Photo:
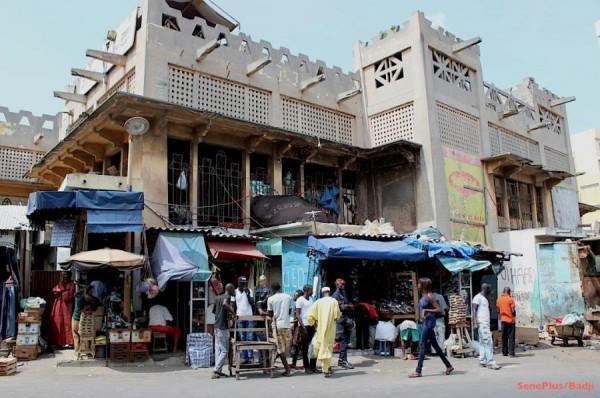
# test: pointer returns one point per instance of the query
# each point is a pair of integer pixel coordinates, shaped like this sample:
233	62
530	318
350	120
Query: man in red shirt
506	309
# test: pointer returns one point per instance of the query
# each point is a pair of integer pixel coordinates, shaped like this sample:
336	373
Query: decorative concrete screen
505	141
451	71
556	160
458	130
198	91
393	125
554	121
317	121
14	162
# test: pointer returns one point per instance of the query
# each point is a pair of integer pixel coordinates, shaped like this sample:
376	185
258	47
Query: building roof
211	232
13	217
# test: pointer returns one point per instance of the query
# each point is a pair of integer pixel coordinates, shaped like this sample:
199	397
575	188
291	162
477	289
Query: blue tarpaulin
359	249
99	200
180	256
452	249
455	265
110	221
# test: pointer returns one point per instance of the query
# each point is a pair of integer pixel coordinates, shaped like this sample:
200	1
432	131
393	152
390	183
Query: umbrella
102	258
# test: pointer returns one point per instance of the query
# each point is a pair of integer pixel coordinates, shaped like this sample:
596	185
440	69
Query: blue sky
553	41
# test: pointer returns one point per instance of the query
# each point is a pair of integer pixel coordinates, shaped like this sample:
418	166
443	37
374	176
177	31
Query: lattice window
556	160
554	121
291	114
181	87
458	130
505	141
451	71
14	162
317	121
393	125
259	106
221	96
389	70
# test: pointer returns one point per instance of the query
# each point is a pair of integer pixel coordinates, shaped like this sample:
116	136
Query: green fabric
455	265
410	334
270	247
79	302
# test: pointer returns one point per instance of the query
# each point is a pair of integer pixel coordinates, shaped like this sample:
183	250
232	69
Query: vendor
161	321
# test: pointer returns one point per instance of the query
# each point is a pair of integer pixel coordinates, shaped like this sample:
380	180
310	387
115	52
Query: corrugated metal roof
14	217
211	232
360	236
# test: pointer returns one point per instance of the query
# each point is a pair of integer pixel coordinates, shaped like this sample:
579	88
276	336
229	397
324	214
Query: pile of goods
458	310
29	328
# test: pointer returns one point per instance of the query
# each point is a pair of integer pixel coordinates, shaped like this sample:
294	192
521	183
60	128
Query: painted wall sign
464	180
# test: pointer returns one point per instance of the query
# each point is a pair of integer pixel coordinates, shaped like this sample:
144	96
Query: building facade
414	134
586	147
24	139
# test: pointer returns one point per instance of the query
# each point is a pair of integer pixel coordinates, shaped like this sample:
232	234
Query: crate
26	353
139	347
35	313
28	339
141	336
28	328
86	324
119	352
8	366
119	336
25	317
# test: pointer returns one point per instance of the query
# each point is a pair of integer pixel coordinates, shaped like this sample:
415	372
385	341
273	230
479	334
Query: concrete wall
25	130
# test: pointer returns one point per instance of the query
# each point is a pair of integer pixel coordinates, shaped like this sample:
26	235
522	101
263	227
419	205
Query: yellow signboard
464	180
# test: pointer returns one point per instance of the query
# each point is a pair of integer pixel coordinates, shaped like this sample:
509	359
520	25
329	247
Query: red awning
234	251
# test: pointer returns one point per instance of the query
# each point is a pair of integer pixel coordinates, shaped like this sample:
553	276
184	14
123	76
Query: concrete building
586	147
414	134
24	139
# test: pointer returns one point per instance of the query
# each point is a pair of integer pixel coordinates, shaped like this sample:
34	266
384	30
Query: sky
553	41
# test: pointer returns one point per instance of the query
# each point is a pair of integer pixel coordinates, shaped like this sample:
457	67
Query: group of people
430	309
317	323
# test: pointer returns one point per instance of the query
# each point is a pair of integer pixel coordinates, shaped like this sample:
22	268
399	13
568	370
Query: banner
295	265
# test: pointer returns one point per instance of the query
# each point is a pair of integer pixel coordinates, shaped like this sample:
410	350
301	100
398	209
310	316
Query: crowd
311	328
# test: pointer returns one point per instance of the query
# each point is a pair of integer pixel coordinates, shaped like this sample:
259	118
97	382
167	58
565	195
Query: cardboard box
141	336
35	314
119	335
28	339
26	353
528	336
29	328
25	317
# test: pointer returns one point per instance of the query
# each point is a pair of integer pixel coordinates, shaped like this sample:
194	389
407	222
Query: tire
565	341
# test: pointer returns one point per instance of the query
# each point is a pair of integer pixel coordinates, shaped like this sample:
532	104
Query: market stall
380	271
125	337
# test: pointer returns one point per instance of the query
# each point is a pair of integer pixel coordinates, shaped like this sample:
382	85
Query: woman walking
429	308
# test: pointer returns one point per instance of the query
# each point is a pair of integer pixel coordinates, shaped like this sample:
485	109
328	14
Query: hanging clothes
182	181
329	198
10	293
61	333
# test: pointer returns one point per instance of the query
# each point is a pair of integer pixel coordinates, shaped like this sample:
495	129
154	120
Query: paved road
373	377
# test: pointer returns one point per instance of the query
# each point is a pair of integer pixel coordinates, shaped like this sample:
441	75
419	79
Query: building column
276	170
193	179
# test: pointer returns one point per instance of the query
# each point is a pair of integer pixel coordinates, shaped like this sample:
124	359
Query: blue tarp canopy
180	256
107	211
359	249
455	265
110	221
98	200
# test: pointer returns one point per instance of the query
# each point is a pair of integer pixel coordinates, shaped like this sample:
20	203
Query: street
557	371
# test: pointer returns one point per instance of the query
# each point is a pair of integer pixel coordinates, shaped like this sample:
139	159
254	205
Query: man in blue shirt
346	322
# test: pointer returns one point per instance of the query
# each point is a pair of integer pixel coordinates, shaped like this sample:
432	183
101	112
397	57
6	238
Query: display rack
198	306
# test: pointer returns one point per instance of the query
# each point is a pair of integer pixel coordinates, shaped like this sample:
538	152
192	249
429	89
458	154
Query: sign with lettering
296	267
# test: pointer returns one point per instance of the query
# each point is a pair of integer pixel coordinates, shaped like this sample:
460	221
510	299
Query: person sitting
160	322
409	337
